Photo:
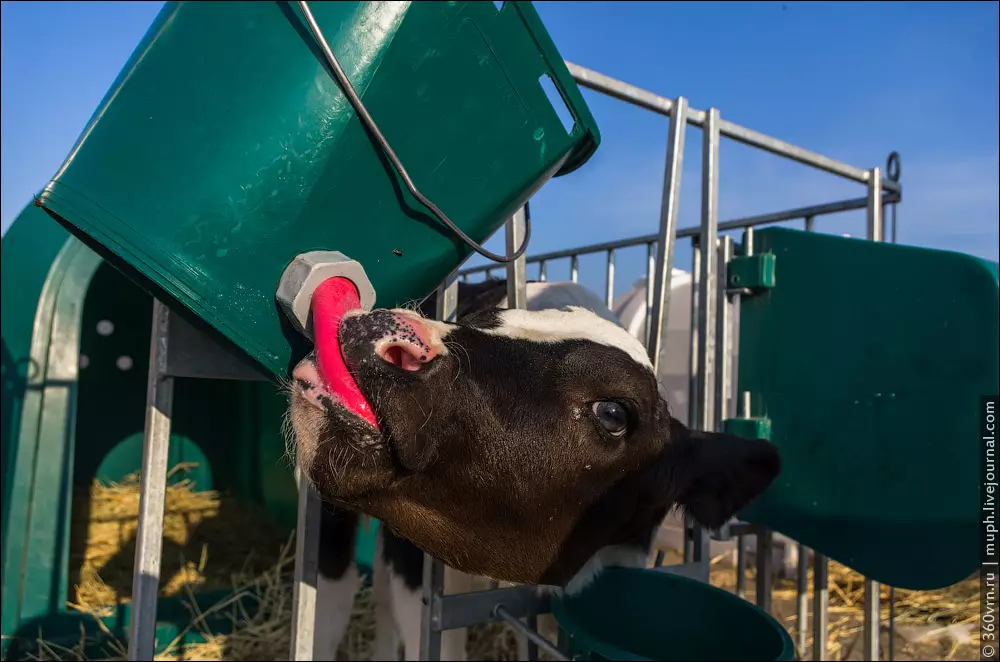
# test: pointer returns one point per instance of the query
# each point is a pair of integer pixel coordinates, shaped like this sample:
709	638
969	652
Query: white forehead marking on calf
573	323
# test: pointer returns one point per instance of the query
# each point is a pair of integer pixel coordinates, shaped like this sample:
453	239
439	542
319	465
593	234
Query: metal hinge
751	272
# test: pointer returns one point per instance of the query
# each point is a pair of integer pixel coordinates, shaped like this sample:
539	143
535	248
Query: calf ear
715	475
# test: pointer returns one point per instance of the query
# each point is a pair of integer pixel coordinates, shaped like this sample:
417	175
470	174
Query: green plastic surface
641	614
225	148
76	343
870	361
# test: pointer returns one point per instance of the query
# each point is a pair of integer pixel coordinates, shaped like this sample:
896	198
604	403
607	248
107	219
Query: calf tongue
332	299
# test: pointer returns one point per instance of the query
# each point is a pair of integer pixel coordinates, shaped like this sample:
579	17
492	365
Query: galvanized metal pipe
609	292
872	619
802	595
306	580
875	228
708	275
574	268
821	604
668	229
735	224
529	633
724	337
516	278
153	491
650	271
664	106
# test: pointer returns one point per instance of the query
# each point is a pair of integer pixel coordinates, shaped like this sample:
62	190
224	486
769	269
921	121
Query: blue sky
853	81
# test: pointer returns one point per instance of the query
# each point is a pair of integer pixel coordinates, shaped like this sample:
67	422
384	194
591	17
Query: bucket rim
594	644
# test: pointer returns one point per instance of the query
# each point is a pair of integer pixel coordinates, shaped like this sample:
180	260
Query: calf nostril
405	355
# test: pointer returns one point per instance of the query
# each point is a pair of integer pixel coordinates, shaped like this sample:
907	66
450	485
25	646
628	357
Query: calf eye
612	416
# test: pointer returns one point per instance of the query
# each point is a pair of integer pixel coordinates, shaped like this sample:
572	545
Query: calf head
523	446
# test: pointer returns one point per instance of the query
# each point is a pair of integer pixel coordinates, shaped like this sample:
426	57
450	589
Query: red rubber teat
332	299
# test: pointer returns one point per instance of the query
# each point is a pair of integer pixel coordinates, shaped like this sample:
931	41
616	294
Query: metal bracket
752	272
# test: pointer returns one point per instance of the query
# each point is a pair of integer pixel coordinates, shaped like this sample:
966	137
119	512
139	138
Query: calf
527	446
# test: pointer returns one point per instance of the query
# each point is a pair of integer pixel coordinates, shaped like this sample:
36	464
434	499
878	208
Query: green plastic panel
645	614
30	246
225	148
870	360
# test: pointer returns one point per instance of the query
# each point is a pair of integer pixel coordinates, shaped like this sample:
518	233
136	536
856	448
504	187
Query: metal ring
892	169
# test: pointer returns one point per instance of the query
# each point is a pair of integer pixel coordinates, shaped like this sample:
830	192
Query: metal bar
430	617
609	292
658	104
741	566
893	225
802	593
724	338
433	580
463	610
516	285
650	271
875	208
574	268
821	602
306	569
693	366
668	229
527	646
530	634
764	569
707	282
734	224
872	619
809	223
892	623
748	249
542	277
153	491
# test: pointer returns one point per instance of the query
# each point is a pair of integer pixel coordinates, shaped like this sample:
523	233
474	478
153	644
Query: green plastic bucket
640	614
226	147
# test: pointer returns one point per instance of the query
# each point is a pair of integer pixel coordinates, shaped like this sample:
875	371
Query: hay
212	541
929	624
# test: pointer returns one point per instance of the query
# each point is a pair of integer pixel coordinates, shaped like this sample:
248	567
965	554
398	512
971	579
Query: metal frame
173	353
711	368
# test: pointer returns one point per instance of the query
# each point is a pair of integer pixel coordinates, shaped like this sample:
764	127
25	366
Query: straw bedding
211	542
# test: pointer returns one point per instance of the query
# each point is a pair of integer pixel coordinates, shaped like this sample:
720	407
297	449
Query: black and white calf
530	446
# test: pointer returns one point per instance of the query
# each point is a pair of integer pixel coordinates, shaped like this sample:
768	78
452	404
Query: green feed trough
639	614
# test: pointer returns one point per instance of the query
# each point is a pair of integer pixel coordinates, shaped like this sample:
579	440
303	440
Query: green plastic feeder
640	614
226	147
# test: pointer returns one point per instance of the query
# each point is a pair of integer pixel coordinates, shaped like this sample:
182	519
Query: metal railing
711	389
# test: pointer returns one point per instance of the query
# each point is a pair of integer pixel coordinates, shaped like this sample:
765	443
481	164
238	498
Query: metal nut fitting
304	274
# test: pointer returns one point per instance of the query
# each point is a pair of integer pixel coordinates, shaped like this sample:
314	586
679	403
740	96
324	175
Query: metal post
574	268
893	224
650	273
809	223
306	569
517	298
802	593
694	392
872	602
872	619
707	282
724	338
433	588
764	569
821	602
741	566
430	617
153	491
516	285
892	623
542	276
875	205
668	228
609	292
